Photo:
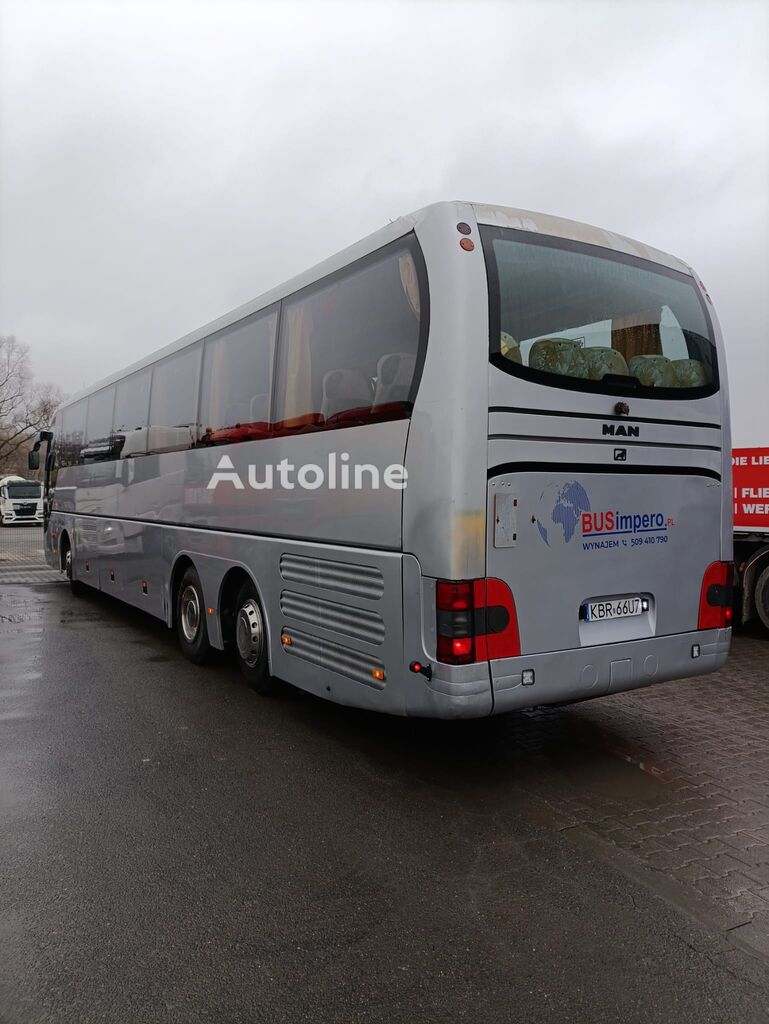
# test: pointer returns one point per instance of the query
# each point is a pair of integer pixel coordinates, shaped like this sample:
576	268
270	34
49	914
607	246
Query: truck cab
21	501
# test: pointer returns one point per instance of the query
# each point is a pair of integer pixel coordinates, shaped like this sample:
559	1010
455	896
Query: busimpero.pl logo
338	474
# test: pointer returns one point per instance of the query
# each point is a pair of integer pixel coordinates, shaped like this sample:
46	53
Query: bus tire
251	642
761	596
77	588
191	625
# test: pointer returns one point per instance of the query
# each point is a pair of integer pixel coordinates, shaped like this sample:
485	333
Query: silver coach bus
556	397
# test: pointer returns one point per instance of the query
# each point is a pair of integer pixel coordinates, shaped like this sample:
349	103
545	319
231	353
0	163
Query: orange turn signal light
467	244
378	673
286	640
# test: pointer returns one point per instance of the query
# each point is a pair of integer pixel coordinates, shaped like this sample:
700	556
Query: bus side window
237	380
129	422
72	433
99	445
174	401
348	346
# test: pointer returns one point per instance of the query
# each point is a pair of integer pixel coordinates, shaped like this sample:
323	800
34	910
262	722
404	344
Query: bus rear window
580	316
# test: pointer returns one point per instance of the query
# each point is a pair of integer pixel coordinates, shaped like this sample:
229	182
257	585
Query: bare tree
26	407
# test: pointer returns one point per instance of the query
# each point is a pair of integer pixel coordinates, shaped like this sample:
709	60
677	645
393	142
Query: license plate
620	608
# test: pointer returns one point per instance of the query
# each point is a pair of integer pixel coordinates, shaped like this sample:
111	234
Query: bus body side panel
342	607
444	506
175	487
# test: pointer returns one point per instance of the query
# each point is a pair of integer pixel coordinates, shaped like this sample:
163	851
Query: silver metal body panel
585	673
172	488
352	574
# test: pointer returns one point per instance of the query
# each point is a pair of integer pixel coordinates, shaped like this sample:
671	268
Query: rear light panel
716	596
455	611
476	621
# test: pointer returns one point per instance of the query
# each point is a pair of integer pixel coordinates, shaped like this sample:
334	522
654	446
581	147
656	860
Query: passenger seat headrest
558	355
690	373
653	371
600	360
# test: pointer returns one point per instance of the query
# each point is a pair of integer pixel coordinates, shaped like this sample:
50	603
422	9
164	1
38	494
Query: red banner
750	480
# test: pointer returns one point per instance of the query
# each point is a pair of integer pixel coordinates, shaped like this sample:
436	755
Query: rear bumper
611	668
563	676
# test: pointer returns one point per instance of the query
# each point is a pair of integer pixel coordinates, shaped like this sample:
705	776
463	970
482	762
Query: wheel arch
64	543
182	562
754	566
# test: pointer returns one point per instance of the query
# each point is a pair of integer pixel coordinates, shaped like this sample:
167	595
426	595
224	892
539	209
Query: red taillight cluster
716	597
476	621
456	629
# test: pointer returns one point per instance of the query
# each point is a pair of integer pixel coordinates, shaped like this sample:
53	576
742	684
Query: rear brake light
476	621
455	613
716	597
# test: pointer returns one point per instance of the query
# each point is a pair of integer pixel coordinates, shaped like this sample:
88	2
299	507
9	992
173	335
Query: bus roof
501	216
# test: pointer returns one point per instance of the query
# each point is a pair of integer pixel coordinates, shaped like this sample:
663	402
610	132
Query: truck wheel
761	595
251	642
191	623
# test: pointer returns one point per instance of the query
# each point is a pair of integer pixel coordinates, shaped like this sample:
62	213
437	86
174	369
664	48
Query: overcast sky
164	162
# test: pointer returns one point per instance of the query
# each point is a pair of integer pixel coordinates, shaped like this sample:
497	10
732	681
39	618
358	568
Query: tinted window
99	443
174	401
132	399
349	347
72	434
577	315
237	380
56	446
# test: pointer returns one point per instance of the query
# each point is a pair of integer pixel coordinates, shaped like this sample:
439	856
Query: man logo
620	430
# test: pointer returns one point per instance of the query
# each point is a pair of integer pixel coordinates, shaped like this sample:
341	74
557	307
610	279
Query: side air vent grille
359	623
343	577
335	657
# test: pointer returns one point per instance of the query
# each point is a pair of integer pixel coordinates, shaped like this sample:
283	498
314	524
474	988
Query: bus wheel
761	594
251	642
75	586
191	620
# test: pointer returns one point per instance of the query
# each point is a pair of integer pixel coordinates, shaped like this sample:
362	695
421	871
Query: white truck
750	483
21	501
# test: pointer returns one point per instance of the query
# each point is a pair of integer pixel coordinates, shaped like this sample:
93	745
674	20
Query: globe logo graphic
558	512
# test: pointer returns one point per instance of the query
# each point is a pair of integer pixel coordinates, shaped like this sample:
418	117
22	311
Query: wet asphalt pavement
174	848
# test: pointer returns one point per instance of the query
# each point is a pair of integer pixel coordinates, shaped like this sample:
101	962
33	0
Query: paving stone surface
704	743
21	556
